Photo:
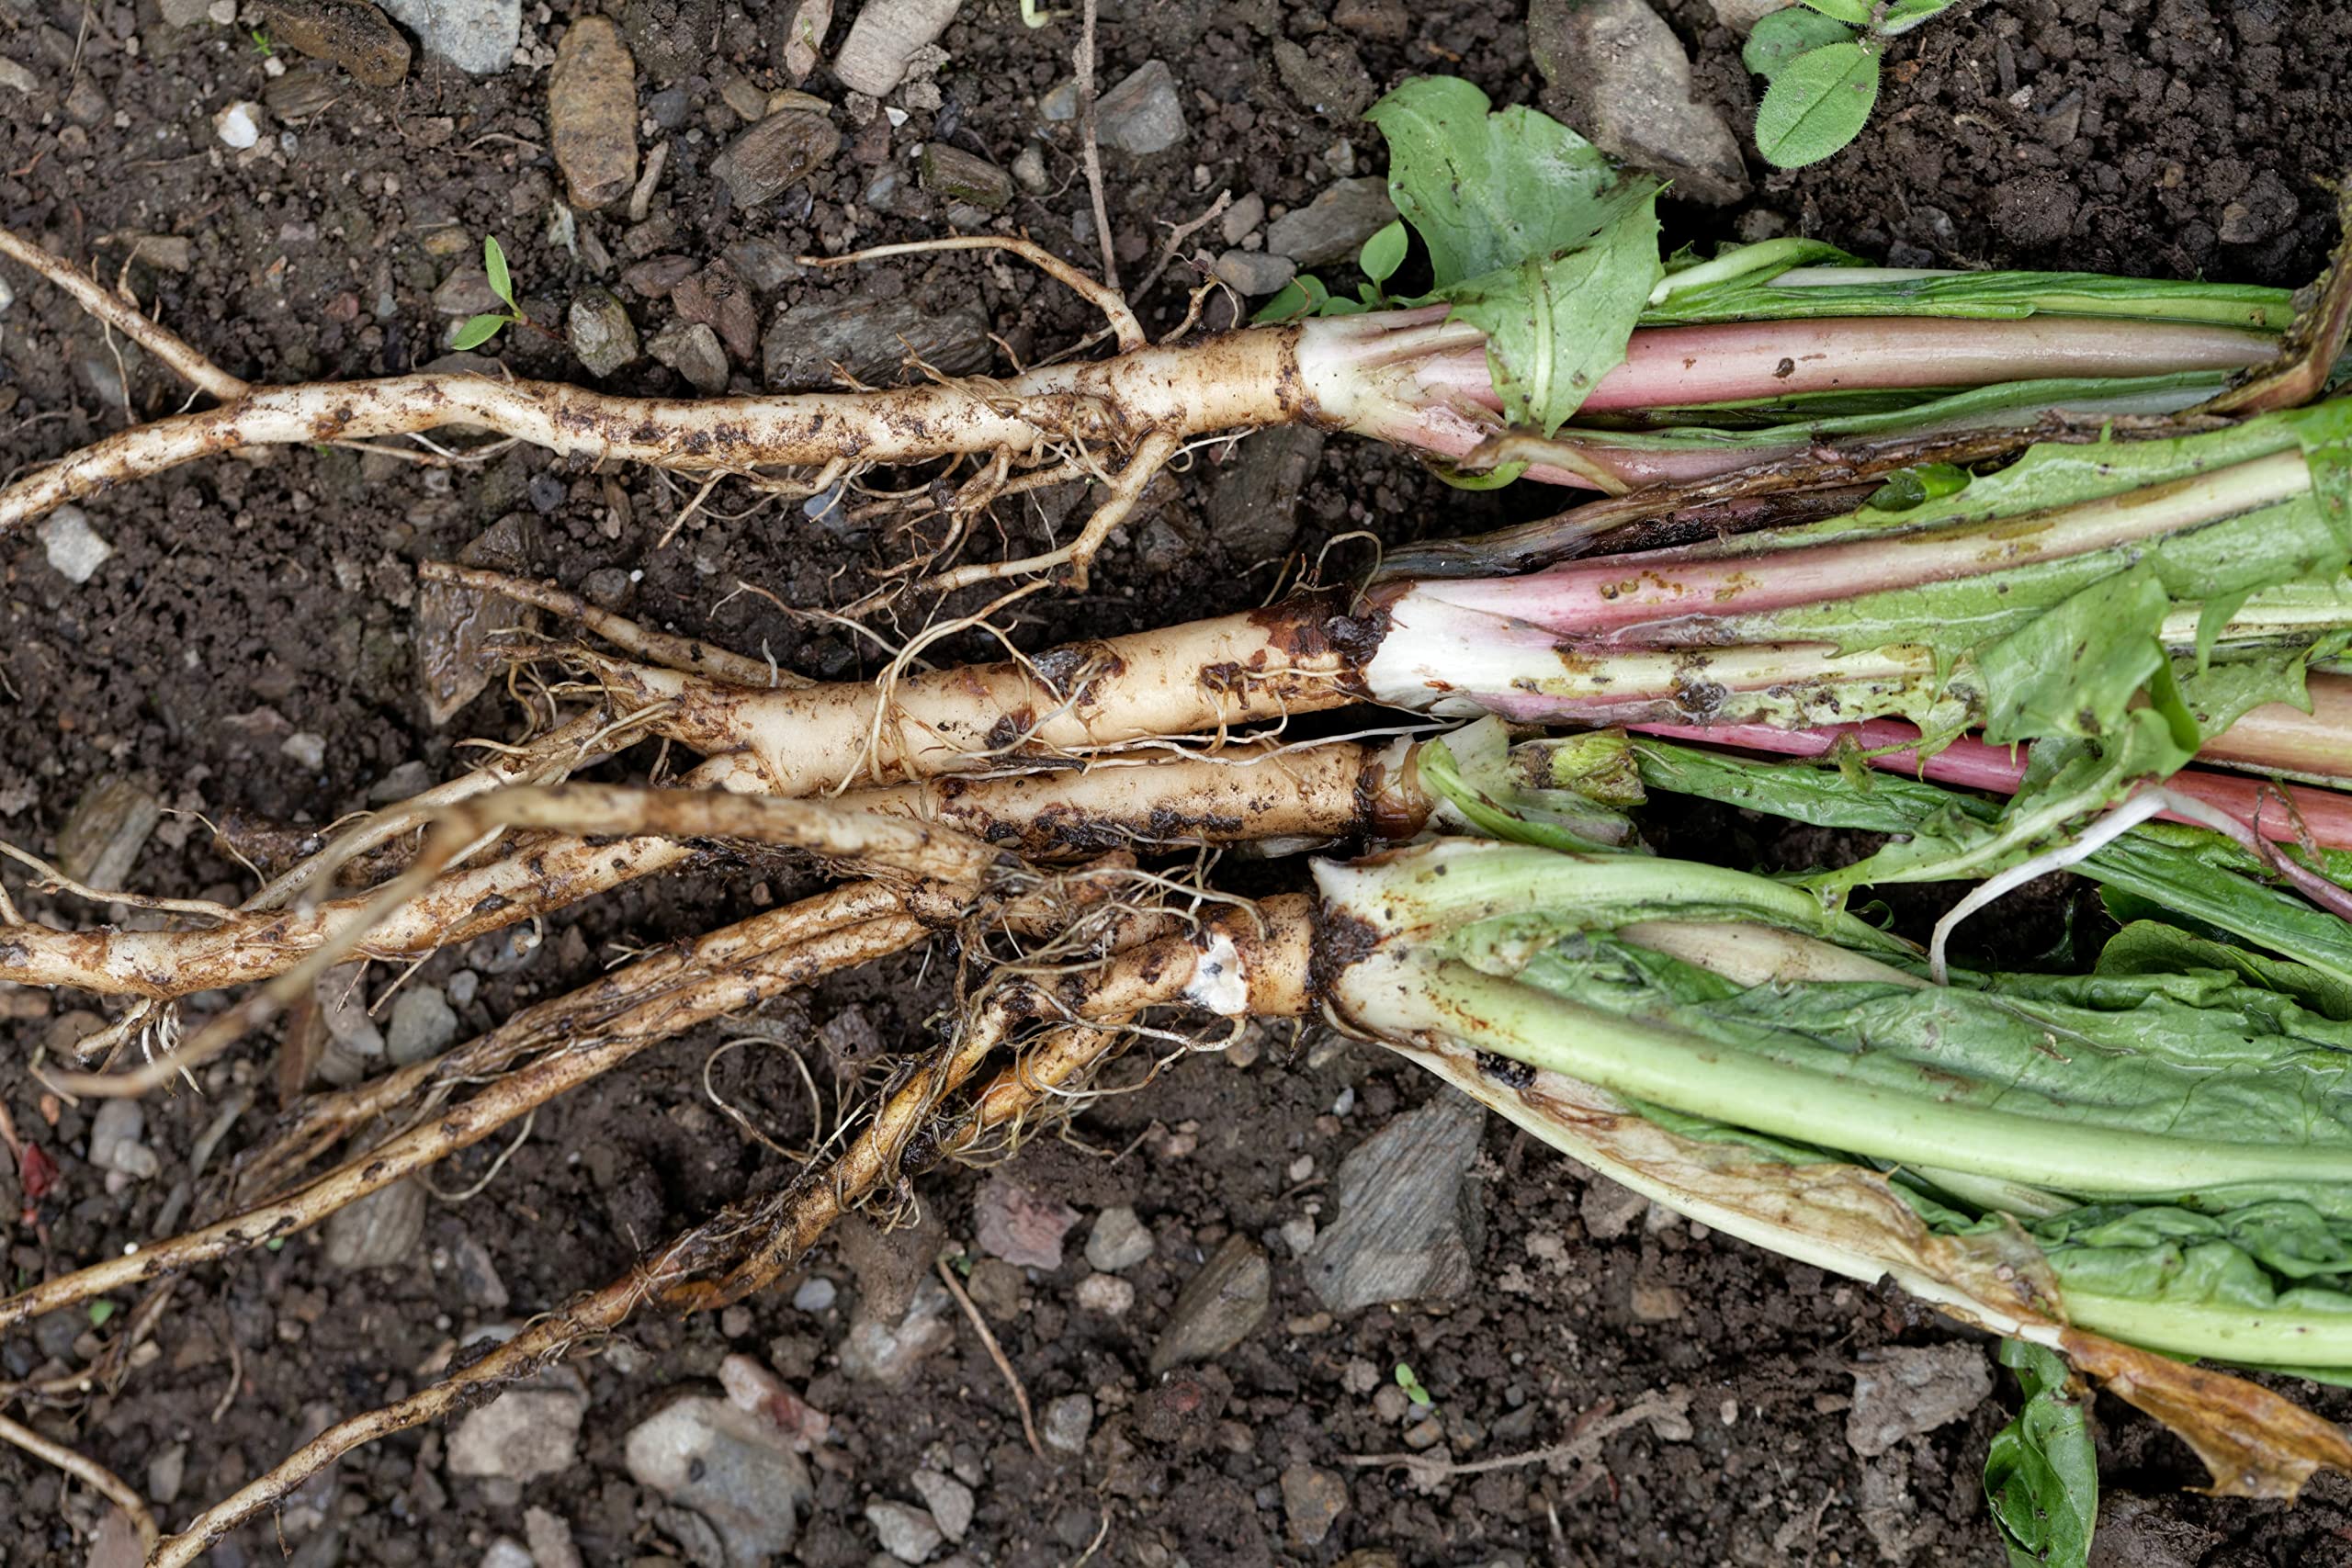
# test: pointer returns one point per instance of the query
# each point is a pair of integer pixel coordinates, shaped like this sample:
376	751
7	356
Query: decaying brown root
1264	947
2314	341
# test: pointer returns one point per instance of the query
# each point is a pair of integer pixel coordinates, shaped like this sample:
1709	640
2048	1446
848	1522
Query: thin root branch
114	313
1103	296
996	1353
86	1470
692	655
1151	454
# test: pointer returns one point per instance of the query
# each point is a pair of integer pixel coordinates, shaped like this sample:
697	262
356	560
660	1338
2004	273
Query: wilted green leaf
493	262
1472	770
1496	478
1555	327
1384	253
478	330
1784	35
2075	668
1486	191
2152	947
1817	102
2042	1474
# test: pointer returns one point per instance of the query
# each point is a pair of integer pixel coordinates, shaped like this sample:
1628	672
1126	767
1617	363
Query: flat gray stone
692	350
522	1434
104	832
1067	1423
75	549
379	1230
1144	114
949	1500
1253	500
478	36
1117	1241
420	1026
1908	1390
1410	1222
1256	273
871	340
906	1532
600	331
1618	73
878	1350
1218	1307
1334	226
728	1466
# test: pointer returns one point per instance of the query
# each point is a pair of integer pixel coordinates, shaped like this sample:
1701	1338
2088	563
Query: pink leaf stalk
2283	813
1660	595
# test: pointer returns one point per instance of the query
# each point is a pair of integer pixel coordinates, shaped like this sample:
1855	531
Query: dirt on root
252	646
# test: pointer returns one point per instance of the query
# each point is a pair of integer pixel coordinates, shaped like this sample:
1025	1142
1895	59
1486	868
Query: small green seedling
100	1312
1821	58
1412	1387
1306	295
479	330
262	46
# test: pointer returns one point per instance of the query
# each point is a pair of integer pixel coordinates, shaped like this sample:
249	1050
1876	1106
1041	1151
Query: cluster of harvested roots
1015	806
1012	807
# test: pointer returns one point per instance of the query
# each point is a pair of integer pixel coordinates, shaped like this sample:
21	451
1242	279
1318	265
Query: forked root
1064	706
571	1039
1263	949
1151	454
923	857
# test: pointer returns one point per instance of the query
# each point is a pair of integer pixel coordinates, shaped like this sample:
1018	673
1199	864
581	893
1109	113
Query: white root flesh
1237	381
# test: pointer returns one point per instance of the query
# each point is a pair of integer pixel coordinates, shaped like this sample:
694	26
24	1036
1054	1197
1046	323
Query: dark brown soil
249	600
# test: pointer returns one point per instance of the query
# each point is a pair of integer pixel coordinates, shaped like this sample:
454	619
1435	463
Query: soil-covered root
525	1063
1299	655
553	1048
1064	709
1260	949
926	859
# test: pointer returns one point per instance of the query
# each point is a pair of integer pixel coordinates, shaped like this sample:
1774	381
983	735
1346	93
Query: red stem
1745	361
1646	595
1972	763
